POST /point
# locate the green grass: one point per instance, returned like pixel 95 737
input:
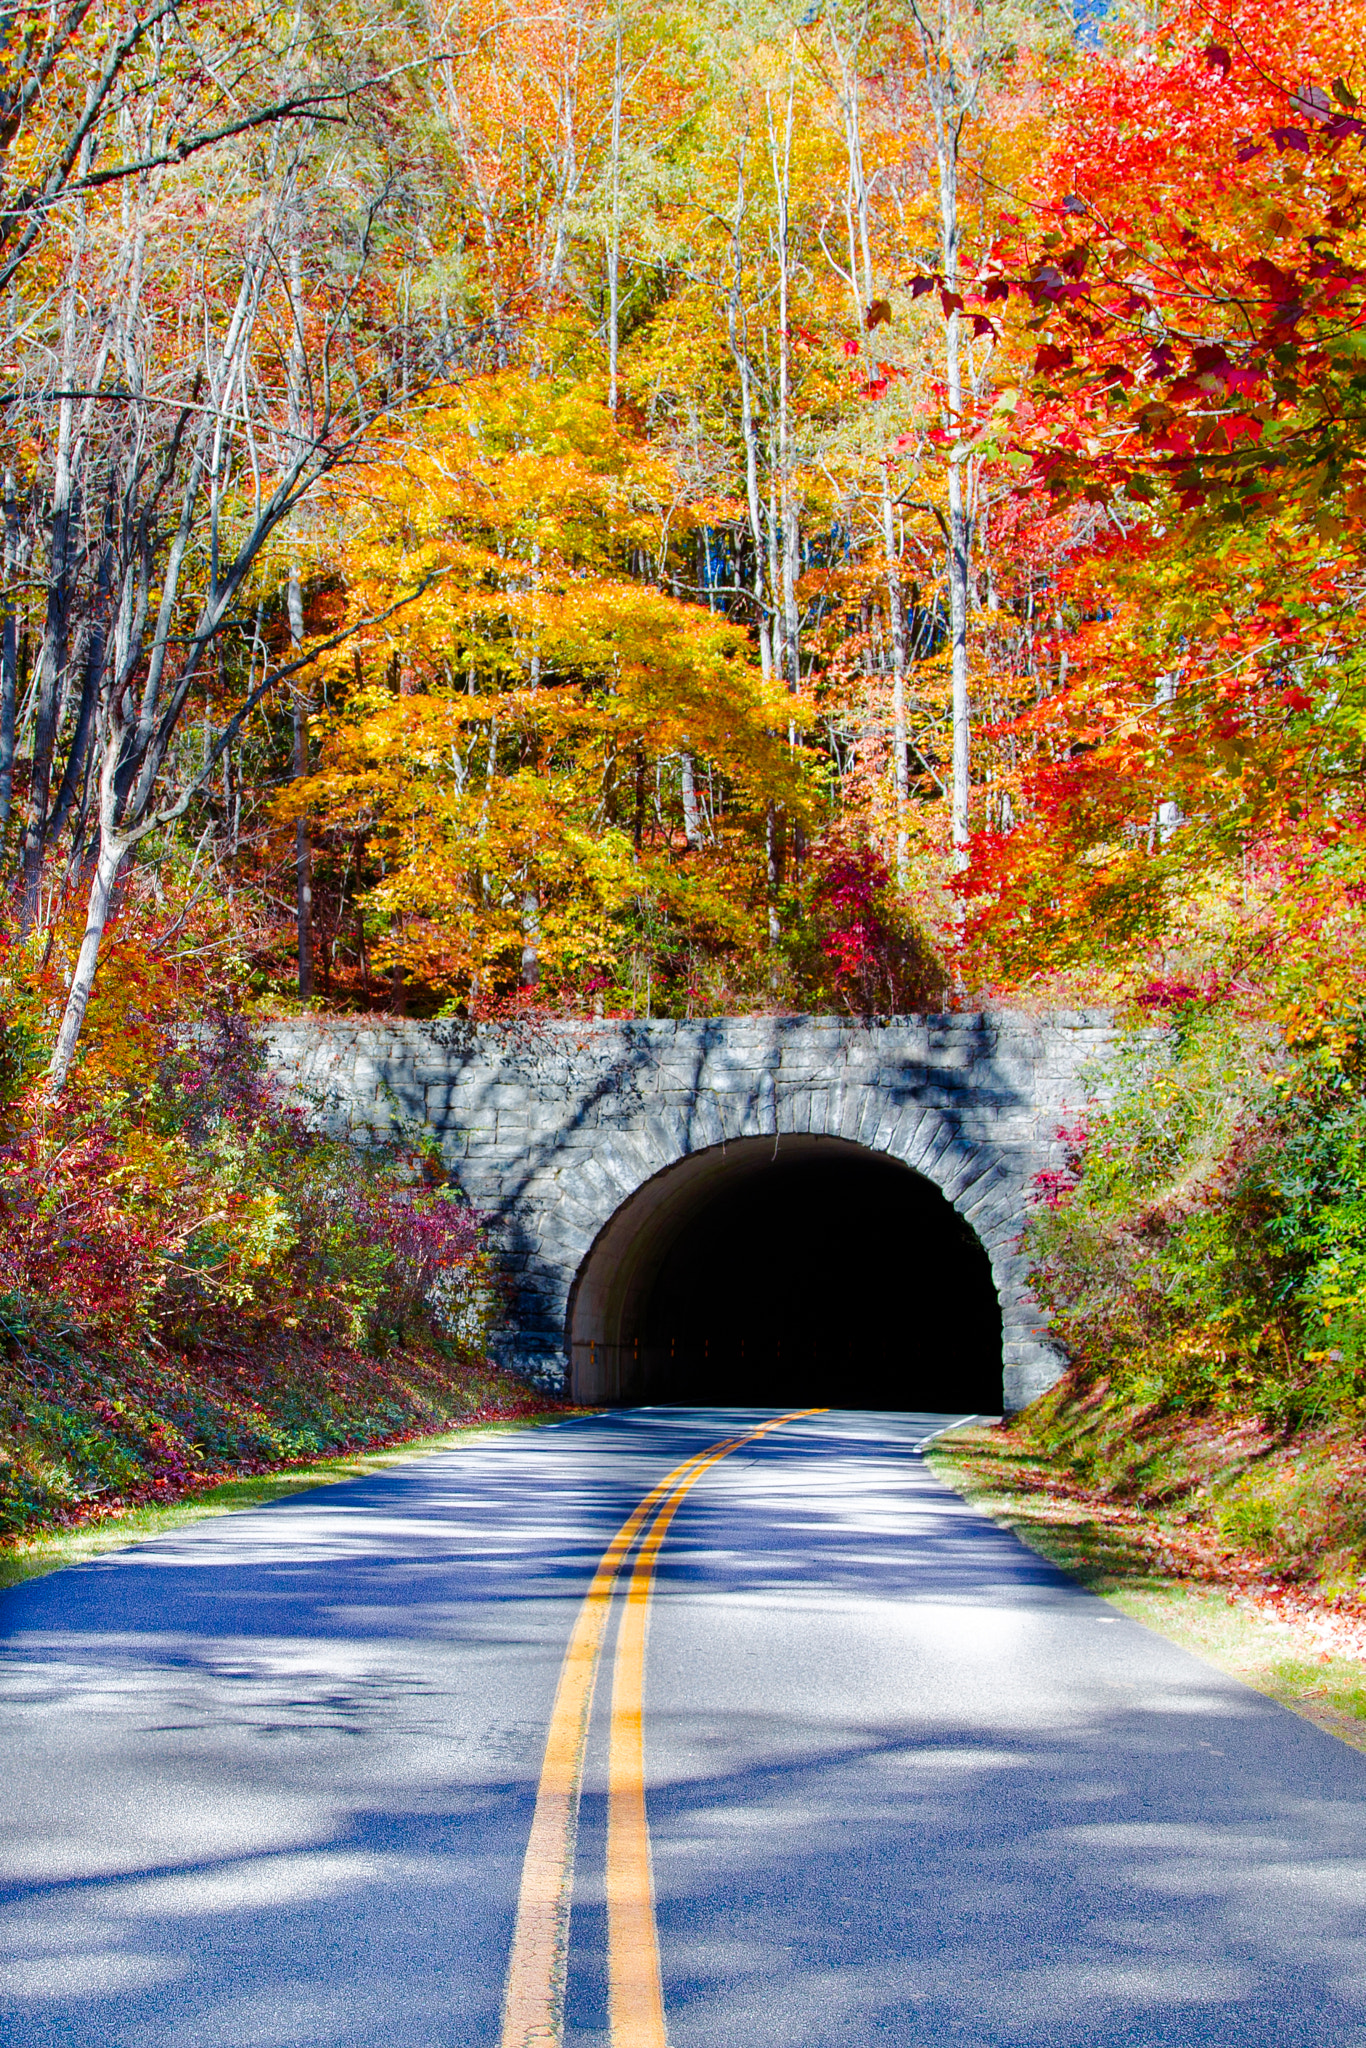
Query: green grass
pixel 30 1557
pixel 1111 1551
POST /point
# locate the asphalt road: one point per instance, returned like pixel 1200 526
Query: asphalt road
pixel 271 1780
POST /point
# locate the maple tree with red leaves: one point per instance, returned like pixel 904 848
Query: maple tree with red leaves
pixel 1195 306
pixel 1210 344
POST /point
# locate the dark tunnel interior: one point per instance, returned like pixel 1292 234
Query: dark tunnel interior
pixel 826 1275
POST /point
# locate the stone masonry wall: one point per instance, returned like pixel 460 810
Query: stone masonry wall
pixel 550 1127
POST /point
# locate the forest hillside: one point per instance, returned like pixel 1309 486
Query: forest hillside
pixel 608 509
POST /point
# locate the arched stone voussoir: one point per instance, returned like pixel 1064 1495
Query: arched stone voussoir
pixel 966 1167
pixel 907 1131
pixel 628 1161
pixel 933 1134
pixel 996 1186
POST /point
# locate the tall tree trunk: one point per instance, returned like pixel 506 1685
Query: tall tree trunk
pixel 692 823
pixel 861 290
pixel 896 619
pixel 614 238
pixel 51 674
pixel 54 680
pixel 9 653
pixel 960 557
pixel 531 902
pixel 303 851
pixel 773 859
pixel 949 103
pixel 92 678
pixel 788 535
pixel 1170 817
pixel 107 864
pixel 775 578
pixel 531 939
pixel 735 329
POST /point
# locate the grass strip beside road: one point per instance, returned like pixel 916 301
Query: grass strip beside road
pixel 1298 1659
pixel 31 1557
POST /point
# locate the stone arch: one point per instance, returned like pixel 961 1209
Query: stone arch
pixel 651 1190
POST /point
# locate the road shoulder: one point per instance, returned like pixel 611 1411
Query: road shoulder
pixel 1310 1659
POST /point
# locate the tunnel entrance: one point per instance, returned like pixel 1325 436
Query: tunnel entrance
pixel 782 1272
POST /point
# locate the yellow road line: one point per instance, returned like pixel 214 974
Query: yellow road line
pixel 533 2004
pixel 635 1992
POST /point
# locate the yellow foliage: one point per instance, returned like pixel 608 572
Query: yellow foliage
pixel 508 773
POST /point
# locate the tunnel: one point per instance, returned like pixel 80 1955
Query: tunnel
pixel 787 1272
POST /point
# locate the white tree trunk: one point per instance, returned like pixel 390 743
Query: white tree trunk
pixel 788 536
pixel 9 653
pixel 692 821
pixel 303 852
pixel 772 863
pixel 108 862
pixel 896 618
pixel 948 101
pixel 735 327
pixel 531 939
pixel 614 242
pixel 861 290
pixel 1170 816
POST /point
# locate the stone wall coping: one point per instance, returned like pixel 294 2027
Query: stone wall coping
pixel 1006 1018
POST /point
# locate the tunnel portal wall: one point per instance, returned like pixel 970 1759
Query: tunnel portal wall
pixel 550 1128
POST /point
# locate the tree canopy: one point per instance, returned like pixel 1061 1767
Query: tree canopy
pixel 631 510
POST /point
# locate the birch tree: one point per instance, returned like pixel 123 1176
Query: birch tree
pixel 846 46
pixel 953 59
pixel 186 432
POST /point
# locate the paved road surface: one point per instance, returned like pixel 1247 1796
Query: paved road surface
pixel 270 1782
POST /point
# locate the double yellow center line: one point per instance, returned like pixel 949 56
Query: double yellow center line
pixel 533 2006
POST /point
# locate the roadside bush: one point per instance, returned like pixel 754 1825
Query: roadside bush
pixel 197 1193
pixel 1206 1245
pixel 194 1281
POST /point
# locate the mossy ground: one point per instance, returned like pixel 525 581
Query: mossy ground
pixel 1303 1644
pixel 91 1426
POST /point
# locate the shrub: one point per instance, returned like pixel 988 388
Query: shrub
pixel 1207 1244
pixel 199 1194
pixel 860 949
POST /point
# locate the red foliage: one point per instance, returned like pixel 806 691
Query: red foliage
pixel 64 1232
pixel 1195 280
pixel 876 960
pixel 1054 1185
pixel 855 936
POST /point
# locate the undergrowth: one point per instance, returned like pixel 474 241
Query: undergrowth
pixel 1235 1491
pixel 195 1282
pixel 87 1432
pixel 1202 1258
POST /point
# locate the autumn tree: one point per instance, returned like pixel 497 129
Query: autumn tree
pixel 1194 421
pixel 202 373
pixel 516 746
